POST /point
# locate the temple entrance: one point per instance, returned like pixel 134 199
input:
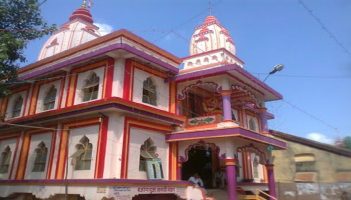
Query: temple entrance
pixel 202 159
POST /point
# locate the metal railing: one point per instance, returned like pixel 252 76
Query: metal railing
pixel 258 192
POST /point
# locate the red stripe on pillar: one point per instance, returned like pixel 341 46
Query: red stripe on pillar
pixel 102 148
pixel 109 77
pixel 127 87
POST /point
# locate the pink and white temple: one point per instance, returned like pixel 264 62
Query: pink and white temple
pixel 114 117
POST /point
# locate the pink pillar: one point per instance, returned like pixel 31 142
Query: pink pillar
pixel 227 105
pixel 271 180
pixel 179 170
pixel 263 119
pixel 231 179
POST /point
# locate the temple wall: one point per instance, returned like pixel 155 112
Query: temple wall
pixel 34 142
pixel 11 103
pixel 118 77
pixel 162 89
pixel 81 81
pixel 137 137
pixel 113 157
pixel 43 92
pixel 76 134
pixel 11 143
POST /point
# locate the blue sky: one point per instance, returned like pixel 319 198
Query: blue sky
pixel 316 79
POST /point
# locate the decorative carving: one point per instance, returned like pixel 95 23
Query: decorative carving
pixel 243 89
pixel 199 144
pixel 185 91
pixel 251 148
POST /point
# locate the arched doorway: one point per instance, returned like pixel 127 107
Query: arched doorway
pixel 202 158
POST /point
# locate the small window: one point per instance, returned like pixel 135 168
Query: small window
pixel 206 60
pixel 305 166
pixel 91 88
pixel 215 58
pixel 5 160
pixel 305 163
pixel 149 92
pixel 149 161
pixel 40 158
pixel 198 62
pixel 17 107
pixel 50 98
pixel 190 64
pixel 82 156
pixel 147 151
pixel 253 124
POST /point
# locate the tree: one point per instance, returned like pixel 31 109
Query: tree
pixel 20 22
pixel 347 142
pixel 344 143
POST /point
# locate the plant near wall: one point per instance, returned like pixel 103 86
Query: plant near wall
pixel 20 22
pixel 344 142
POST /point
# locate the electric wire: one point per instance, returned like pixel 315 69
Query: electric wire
pixel 312 116
pixel 188 20
pixel 32 127
pixel 324 27
pixel 306 76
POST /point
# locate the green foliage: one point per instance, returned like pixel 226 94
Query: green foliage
pixel 20 22
pixel 347 142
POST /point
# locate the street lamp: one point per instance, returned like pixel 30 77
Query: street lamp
pixel 276 68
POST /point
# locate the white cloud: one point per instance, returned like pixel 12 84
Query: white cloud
pixel 104 28
pixel 319 137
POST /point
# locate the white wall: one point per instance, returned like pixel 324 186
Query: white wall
pixel 114 146
pixel 12 144
pixel 137 138
pixel 92 132
pixel 82 77
pixel 34 141
pixel 43 90
pixel 162 89
pixel 11 102
pixel 118 78
pixel 65 90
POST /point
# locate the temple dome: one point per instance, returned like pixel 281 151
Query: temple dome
pixel 78 30
pixel 211 35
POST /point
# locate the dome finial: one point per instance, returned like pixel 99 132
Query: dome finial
pixel 86 4
pixel 210 7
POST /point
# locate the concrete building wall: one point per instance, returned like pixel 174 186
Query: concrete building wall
pixel 332 174
pixel 327 164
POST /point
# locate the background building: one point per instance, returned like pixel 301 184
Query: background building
pixel 311 170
